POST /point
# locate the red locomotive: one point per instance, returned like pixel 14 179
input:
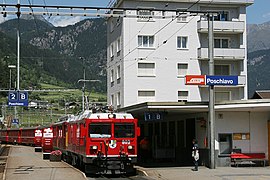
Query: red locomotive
pixel 99 142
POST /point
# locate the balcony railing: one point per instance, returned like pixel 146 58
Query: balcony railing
pixel 222 26
pixel 223 1
pixel 223 53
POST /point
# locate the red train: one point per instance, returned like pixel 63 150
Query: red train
pixel 97 142
pixel 28 136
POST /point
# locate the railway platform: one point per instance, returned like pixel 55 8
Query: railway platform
pixel 23 163
pixel 204 173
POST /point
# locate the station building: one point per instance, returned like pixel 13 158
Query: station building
pixel 151 48
pixel 241 126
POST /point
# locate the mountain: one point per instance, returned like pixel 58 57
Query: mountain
pixel 62 52
pixel 36 65
pixel 258 71
pixel 258 57
pixel 258 37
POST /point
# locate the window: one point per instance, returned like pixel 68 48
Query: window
pixel 112 99
pixel 222 70
pixel 146 69
pixel 146 93
pixel 222 96
pixel 221 43
pixel 145 15
pixel 225 143
pixel 182 96
pixel 124 130
pixel 182 42
pixel 182 17
pixel 118 46
pixel 112 24
pixel 146 41
pixel 112 77
pixel 223 16
pixel 118 102
pixel 111 51
pixel 99 130
pixel 118 74
pixel 182 69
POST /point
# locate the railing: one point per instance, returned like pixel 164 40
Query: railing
pixel 223 53
pixel 233 26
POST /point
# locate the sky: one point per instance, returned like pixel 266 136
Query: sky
pixel 257 13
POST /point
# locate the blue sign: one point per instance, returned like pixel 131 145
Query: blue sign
pixel 153 116
pixel 15 121
pixel 18 98
pixel 13 96
pixel 222 80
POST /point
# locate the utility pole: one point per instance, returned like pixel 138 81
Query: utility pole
pixel 211 106
pixel 18 54
pixel 83 89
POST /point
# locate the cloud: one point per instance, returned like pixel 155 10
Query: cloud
pixel 267 15
pixel 2 19
pixel 62 21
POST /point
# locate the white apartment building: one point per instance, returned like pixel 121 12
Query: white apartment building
pixel 151 51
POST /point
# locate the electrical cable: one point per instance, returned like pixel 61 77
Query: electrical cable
pixel 157 33
pixel 173 19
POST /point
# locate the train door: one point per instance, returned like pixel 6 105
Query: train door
pixel 19 136
pixel 82 138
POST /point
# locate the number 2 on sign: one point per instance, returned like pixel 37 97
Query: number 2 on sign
pixel 13 96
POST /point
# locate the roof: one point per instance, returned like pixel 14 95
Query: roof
pixel 262 94
pixel 258 105
pixel 246 2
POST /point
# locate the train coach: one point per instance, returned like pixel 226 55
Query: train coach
pixel 98 142
pixel 31 136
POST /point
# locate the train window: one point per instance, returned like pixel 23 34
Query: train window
pixel 123 130
pixel 100 130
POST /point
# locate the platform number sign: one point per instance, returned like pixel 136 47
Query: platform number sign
pixel 153 116
pixel 18 98
pixel 23 96
pixel 13 96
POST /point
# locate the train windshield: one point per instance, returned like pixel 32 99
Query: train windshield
pixel 100 130
pixel 124 130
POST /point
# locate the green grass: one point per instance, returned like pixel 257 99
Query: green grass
pixel 71 95
pixel 50 86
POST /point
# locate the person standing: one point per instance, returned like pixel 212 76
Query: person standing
pixel 195 154
pixel 145 149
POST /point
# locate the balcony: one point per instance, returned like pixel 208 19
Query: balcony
pixel 232 27
pixel 223 53
pixel 247 2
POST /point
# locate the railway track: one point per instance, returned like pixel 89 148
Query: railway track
pixel 119 177
pixel 106 177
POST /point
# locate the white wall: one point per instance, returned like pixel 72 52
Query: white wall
pixel 245 122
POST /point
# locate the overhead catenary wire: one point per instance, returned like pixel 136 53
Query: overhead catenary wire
pixel 173 19
pixel 159 30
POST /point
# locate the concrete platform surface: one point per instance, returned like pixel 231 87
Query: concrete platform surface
pixel 220 173
pixel 24 163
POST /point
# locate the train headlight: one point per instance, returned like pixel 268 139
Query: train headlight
pixel 94 147
pixel 130 147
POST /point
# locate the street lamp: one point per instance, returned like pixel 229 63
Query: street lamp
pixel 10 78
